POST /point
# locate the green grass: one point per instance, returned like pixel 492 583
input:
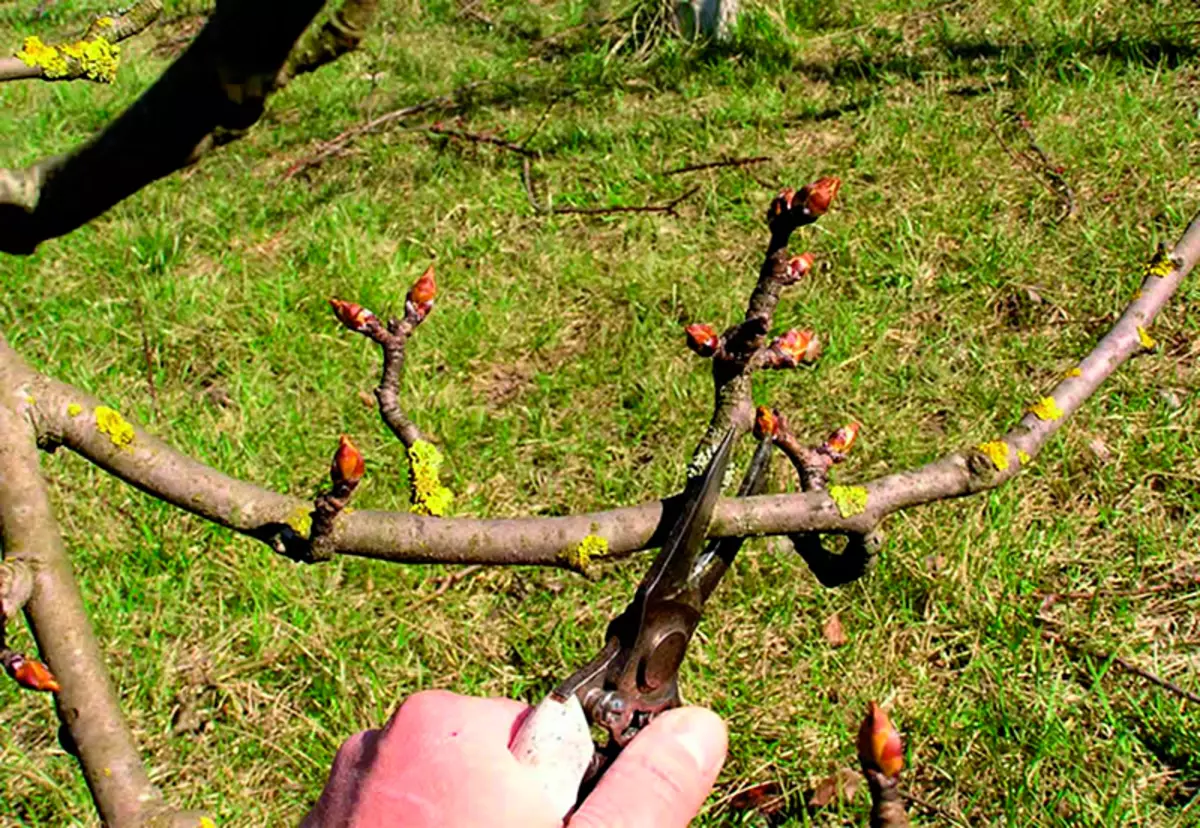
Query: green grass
pixel 554 376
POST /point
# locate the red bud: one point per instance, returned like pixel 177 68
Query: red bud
pixel 31 673
pixel 820 194
pixel 702 339
pixel 797 346
pixel 798 266
pixel 421 295
pixel 355 317
pixel 842 439
pixel 766 423
pixel 348 464
pixel 879 747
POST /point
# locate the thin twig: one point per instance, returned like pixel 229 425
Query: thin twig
pixel 933 808
pixel 1116 660
pixel 668 208
pixel 481 138
pixel 1039 165
pixel 1049 598
pixel 538 126
pixel 148 360
pixel 339 142
pixel 443 586
pixel 729 162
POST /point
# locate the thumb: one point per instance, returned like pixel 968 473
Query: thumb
pixel 662 778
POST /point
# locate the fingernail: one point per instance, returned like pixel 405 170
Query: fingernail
pixel 701 734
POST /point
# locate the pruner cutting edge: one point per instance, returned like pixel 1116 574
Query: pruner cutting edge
pixel 634 677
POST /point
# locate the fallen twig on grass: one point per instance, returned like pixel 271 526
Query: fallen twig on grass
pixel 547 210
pixel 1038 164
pixel 1115 660
pixel 339 142
pixel 443 586
pixel 1050 598
pixel 933 808
pixel 481 138
pixel 712 165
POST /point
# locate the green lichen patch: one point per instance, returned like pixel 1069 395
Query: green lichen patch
pixel 850 500
pixel 429 496
pixel 580 555
pixel 74 409
pixel 300 519
pixel 118 429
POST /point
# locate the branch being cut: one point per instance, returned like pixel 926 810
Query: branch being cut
pixel 95 56
pixel 211 94
pixel 64 415
pixel 741 350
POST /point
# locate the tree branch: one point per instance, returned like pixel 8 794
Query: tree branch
pixel 216 88
pixel 67 416
pixel 86 701
pixel 95 56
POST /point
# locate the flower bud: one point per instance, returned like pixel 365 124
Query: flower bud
pixel 797 346
pixel 30 673
pixel 797 267
pixel 348 464
pixel 879 746
pixel 355 317
pixel 702 339
pixel 419 301
pixel 820 194
pixel 842 439
pixel 766 423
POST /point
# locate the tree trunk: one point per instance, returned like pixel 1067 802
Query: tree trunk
pixel 707 18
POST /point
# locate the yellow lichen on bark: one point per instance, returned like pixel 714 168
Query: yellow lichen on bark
pixel 1145 338
pixel 300 519
pixel 997 452
pixel 1023 456
pixel 36 53
pixel 850 500
pixel 1047 409
pixel 1161 265
pixel 582 553
pixel 74 409
pixel 118 429
pixel 96 59
pixel 429 496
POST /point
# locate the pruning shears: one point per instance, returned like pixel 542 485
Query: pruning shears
pixel 635 676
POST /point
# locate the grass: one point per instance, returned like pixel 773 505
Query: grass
pixel 554 376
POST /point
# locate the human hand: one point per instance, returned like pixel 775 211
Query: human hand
pixel 443 760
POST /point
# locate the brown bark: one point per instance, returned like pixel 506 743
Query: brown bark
pixel 87 703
